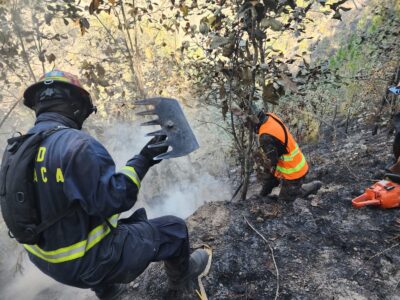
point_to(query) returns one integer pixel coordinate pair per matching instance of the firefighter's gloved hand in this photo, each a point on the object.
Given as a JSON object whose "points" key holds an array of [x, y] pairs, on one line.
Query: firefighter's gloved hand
{"points": [[150, 153]]}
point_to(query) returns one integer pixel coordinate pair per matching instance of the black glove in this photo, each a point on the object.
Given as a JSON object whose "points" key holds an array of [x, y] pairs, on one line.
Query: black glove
{"points": [[150, 153]]}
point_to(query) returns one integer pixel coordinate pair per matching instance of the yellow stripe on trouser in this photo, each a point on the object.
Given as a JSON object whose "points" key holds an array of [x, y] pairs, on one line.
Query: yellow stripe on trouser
{"points": [[292, 170], [76, 250], [291, 155], [131, 173]]}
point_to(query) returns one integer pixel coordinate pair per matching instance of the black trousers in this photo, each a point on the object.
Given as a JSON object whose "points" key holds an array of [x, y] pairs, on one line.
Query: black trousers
{"points": [[290, 189], [160, 239]]}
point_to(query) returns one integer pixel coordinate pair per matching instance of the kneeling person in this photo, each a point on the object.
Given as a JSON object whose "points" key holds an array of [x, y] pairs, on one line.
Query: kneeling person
{"points": [[287, 162]]}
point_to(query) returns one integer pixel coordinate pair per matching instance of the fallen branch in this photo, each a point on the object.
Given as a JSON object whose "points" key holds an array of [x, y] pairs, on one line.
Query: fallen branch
{"points": [[351, 172], [376, 255], [396, 286], [383, 251], [272, 254], [396, 237]]}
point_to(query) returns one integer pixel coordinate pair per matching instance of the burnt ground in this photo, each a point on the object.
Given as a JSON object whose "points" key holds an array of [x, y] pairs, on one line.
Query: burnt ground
{"points": [[323, 247]]}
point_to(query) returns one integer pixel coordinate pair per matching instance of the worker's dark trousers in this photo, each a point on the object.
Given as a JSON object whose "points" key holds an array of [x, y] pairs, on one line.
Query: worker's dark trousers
{"points": [[169, 242], [290, 189]]}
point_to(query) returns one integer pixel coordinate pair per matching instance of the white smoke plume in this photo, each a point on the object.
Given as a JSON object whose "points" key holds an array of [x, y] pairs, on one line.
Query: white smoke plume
{"points": [[175, 186]]}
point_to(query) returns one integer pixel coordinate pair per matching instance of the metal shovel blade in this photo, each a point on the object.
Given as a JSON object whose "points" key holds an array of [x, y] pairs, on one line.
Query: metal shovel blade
{"points": [[173, 123]]}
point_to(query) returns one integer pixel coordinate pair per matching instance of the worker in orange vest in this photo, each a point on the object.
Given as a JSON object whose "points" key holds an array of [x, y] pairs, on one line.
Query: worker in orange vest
{"points": [[288, 163]]}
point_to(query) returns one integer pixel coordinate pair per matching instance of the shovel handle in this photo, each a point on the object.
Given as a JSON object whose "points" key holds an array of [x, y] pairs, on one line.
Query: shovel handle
{"points": [[363, 200]]}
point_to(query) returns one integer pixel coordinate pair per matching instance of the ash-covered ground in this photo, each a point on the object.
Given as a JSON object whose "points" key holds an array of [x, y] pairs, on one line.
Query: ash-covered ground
{"points": [[323, 247]]}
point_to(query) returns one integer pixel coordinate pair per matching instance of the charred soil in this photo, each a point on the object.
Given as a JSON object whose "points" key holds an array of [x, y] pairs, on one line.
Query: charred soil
{"points": [[323, 247]]}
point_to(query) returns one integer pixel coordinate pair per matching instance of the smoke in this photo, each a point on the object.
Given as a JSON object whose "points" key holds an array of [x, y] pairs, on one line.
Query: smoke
{"points": [[31, 284], [175, 186]]}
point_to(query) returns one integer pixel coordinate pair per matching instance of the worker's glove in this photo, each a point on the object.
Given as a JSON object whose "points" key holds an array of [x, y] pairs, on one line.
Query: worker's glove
{"points": [[150, 153], [395, 90]]}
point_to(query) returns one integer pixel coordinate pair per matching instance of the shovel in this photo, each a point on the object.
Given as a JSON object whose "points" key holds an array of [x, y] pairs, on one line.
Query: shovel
{"points": [[173, 124]]}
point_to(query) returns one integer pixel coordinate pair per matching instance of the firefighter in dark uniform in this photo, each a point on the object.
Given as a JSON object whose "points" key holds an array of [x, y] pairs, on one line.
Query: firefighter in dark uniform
{"points": [[91, 247], [287, 164]]}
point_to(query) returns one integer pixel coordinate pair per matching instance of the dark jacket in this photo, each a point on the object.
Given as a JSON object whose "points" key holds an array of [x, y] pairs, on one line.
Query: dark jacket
{"points": [[72, 168], [271, 146]]}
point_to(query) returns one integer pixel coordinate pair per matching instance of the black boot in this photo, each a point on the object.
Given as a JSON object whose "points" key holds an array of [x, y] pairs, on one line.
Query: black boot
{"points": [[310, 188], [186, 280], [109, 292]]}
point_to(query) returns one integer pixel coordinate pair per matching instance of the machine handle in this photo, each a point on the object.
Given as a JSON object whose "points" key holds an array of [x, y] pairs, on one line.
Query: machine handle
{"points": [[393, 177], [363, 200]]}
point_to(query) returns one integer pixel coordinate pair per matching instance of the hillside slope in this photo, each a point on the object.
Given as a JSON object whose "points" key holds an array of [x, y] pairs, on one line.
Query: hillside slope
{"points": [[323, 247]]}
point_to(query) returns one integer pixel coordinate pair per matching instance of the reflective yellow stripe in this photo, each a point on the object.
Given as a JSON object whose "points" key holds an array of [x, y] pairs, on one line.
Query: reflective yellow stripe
{"points": [[131, 173], [292, 170], [291, 155], [76, 250]]}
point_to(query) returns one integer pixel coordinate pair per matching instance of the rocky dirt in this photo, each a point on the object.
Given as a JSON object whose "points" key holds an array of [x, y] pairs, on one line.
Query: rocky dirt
{"points": [[323, 247]]}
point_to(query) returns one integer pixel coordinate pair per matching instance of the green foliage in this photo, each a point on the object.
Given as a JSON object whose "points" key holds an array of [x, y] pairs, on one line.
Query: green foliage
{"points": [[350, 57], [237, 55], [244, 69], [376, 23], [360, 69]]}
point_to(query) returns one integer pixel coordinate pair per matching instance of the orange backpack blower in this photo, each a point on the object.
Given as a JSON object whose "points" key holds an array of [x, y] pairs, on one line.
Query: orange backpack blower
{"points": [[384, 193]]}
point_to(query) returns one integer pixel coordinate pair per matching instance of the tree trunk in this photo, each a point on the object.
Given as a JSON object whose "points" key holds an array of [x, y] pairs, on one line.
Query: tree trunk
{"points": [[135, 68], [247, 165]]}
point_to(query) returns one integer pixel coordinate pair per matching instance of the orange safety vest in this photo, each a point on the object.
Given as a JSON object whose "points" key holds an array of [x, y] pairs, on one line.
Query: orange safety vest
{"points": [[292, 165]]}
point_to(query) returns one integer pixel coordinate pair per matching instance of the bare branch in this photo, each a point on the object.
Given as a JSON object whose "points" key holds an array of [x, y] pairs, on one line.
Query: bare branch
{"points": [[21, 40], [383, 251], [9, 112], [272, 254]]}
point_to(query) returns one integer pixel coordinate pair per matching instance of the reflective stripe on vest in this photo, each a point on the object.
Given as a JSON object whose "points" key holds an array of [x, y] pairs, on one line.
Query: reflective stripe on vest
{"points": [[76, 250], [292, 170], [131, 173], [291, 155]]}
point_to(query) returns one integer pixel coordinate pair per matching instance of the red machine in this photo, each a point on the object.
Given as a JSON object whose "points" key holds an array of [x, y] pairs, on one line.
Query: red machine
{"points": [[384, 193]]}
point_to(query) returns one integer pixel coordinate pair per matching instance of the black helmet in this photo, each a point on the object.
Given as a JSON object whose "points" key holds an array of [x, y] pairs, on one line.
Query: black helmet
{"points": [[63, 90], [59, 78]]}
